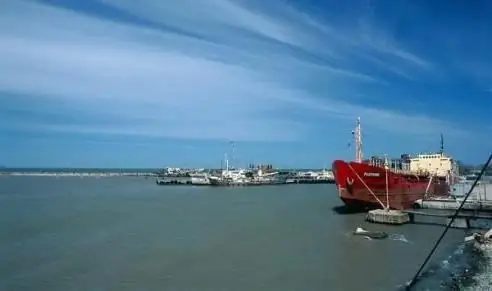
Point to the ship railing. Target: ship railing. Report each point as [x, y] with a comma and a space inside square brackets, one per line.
[403, 172]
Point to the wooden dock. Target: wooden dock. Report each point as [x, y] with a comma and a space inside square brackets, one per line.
[399, 217]
[470, 205]
[462, 220]
[449, 214]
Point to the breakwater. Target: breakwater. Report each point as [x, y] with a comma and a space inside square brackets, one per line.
[80, 174]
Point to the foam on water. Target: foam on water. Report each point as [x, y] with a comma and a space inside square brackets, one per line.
[483, 279]
[398, 237]
[391, 236]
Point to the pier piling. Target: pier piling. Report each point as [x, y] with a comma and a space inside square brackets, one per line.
[387, 216]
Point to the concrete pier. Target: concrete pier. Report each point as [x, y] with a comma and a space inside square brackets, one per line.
[387, 216]
[459, 223]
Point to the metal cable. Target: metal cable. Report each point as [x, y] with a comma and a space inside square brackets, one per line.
[414, 279]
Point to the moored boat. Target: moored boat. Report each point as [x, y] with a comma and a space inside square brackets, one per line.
[379, 183]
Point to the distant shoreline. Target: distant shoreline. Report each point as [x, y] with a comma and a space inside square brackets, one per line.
[91, 172]
[104, 171]
[79, 174]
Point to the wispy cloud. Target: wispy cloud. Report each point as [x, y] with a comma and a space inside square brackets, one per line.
[383, 43]
[215, 69]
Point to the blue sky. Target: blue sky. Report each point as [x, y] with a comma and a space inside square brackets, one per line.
[154, 83]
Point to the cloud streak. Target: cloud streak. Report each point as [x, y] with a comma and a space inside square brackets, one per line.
[216, 69]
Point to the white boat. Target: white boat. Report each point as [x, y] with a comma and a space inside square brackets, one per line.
[229, 176]
[200, 180]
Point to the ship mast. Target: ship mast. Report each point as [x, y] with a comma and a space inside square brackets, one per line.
[358, 142]
[442, 145]
[232, 148]
[226, 162]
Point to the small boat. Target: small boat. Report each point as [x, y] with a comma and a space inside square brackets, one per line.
[370, 234]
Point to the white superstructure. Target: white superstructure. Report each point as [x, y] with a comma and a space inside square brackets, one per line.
[437, 164]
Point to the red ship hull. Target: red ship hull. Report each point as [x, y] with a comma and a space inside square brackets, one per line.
[364, 186]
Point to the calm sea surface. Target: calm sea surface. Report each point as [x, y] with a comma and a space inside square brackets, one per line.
[130, 234]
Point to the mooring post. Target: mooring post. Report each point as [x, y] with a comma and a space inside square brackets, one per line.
[412, 217]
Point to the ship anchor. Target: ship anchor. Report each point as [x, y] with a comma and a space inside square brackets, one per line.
[350, 183]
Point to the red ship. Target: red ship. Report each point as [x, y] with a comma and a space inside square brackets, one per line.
[377, 184]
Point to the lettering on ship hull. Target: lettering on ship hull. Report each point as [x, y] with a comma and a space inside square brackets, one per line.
[371, 174]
